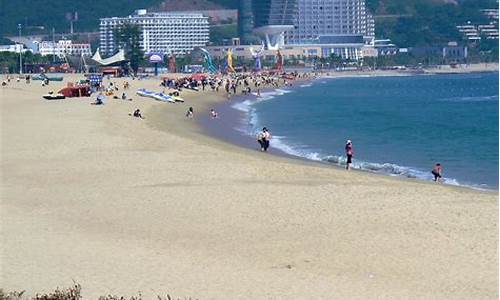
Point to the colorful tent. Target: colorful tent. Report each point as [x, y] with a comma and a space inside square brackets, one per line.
[76, 91]
[118, 57]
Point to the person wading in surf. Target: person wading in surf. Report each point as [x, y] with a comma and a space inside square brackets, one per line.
[348, 152]
[437, 172]
[263, 138]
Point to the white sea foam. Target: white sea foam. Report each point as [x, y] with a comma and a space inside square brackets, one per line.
[252, 126]
[380, 168]
[244, 106]
[345, 75]
[471, 99]
[248, 125]
[282, 91]
[279, 142]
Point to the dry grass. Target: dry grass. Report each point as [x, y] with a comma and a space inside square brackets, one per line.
[73, 293]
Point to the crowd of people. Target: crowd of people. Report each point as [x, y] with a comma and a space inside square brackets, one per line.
[233, 83]
[230, 84]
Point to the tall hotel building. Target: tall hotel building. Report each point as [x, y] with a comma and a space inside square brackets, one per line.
[318, 18]
[176, 33]
[269, 19]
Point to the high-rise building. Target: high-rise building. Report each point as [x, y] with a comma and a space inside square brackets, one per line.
[176, 33]
[245, 21]
[317, 18]
[271, 19]
[370, 28]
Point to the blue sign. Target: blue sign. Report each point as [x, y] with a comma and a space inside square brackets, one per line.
[156, 58]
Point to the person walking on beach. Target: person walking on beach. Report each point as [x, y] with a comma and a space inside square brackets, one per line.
[263, 138]
[437, 172]
[213, 114]
[348, 153]
[190, 112]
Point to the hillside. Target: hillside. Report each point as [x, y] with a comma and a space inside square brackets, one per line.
[175, 5]
[425, 22]
[406, 22]
[52, 13]
[41, 13]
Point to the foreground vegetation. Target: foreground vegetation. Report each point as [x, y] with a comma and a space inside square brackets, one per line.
[73, 293]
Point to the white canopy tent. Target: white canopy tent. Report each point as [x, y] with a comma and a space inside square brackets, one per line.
[118, 57]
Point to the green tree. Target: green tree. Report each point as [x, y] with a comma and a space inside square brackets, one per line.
[335, 60]
[222, 32]
[184, 60]
[127, 37]
[9, 62]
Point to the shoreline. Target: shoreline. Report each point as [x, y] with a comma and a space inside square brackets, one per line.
[122, 205]
[228, 128]
[202, 130]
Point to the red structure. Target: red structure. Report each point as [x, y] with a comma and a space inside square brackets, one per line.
[198, 77]
[75, 91]
[112, 71]
[279, 62]
[171, 64]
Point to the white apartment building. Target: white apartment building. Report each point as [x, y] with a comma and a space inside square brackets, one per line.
[489, 31]
[176, 32]
[491, 13]
[331, 17]
[64, 48]
[13, 48]
[469, 31]
[370, 29]
[476, 32]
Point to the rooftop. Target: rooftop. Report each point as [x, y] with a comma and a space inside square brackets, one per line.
[336, 39]
[142, 13]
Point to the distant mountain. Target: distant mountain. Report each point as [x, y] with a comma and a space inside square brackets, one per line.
[52, 13]
[406, 22]
[425, 22]
[35, 15]
[176, 5]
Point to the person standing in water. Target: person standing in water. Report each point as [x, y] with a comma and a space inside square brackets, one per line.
[437, 172]
[348, 152]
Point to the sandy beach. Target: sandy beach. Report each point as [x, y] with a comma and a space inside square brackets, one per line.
[123, 205]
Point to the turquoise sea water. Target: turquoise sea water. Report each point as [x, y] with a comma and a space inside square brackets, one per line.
[399, 125]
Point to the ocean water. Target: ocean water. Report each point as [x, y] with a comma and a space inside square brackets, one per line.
[399, 125]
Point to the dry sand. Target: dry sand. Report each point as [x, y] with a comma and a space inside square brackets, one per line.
[465, 68]
[123, 205]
